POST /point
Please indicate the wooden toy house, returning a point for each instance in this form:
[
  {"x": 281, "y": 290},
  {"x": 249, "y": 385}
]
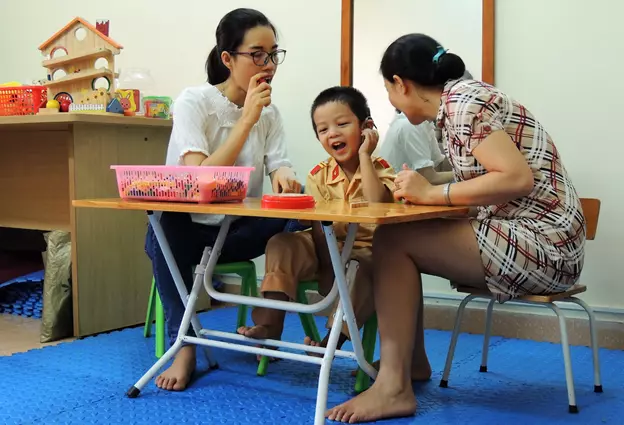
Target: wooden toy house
[{"x": 83, "y": 45}]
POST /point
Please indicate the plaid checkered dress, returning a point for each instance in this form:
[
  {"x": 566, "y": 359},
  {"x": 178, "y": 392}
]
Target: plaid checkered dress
[{"x": 532, "y": 245}]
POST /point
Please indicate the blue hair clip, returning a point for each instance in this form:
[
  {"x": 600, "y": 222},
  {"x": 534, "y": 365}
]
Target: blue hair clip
[{"x": 438, "y": 55}]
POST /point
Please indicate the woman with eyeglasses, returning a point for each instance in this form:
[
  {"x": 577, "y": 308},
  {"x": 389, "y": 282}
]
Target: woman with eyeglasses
[{"x": 229, "y": 121}]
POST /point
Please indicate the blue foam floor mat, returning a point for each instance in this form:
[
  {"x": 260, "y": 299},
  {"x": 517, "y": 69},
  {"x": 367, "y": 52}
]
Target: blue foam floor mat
[{"x": 84, "y": 382}]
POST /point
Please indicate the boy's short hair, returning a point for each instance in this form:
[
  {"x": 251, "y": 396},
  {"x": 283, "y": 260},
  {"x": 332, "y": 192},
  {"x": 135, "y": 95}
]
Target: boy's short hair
[{"x": 349, "y": 96}]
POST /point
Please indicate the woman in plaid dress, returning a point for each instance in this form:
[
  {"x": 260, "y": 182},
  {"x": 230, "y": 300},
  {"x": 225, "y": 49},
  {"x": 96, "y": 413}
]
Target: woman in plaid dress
[{"x": 528, "y": 236}]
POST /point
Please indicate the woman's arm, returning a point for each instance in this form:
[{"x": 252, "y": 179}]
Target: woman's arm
[
  {"x": 258, "y": 97},
  {"x": 508, "y": 176},
  {"x": 434, "y": 177},
  {"x": 226, "y": 154}
]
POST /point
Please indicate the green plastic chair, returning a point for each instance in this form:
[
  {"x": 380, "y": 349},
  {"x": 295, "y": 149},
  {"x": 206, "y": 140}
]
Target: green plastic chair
[
  {"x": 369, "y": 337},
  {"x": 245, "y": 269}
]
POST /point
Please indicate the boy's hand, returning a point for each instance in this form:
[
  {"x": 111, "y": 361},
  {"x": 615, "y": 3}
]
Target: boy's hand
[
  {"x": 370, "y": 138},
  {"x": 285, "y": 181}
]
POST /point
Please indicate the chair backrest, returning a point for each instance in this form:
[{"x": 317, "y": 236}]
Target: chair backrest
[{"x": 591, "y": 209}]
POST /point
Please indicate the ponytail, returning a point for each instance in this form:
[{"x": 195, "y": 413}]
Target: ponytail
[{"x": 216, "y": 70}]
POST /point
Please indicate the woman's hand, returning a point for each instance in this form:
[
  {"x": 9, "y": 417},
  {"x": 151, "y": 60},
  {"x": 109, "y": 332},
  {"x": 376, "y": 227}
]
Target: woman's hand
[
  {"x": 370, "y": 137},
  {"x": 285, "y": 181},
  {"x": 258, "y": 96},
  {"x": 412, "y": 187}
]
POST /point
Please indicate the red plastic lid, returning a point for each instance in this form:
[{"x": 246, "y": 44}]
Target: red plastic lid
[{"x": 293, "y": 201}]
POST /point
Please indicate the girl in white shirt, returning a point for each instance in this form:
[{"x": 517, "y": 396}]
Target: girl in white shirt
[{"x": 229, "y": 121}]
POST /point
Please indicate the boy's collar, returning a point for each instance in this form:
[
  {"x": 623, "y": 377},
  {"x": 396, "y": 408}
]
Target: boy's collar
[{"x": 336, "y": 173}]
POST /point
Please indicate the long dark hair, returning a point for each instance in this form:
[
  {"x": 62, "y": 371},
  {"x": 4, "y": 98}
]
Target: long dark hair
[
  {"x": 422, "y": 60},
  {"x": 230, "y": 34}
]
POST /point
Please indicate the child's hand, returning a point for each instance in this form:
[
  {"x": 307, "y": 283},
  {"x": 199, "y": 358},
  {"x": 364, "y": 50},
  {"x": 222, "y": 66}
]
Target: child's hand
[
  {"x": 411, "y": 186},
  {"x": 370, "y": 138}
]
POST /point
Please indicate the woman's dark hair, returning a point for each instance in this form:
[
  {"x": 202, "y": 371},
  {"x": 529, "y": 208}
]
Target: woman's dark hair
[
  {"x": 422, "y": 60},
  {"x": 349, "y": 96},
  {"x": 230, "y": 34}
]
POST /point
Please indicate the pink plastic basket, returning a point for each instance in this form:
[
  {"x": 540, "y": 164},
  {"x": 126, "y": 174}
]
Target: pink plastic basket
[{"x": 182, "y": 183}]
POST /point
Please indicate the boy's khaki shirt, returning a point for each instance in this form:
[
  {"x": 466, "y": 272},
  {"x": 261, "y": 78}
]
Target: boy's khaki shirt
[{"x": 327, "y": 182}]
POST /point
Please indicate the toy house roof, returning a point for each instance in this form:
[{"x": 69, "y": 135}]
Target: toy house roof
[{"x": 87, "y": 25}]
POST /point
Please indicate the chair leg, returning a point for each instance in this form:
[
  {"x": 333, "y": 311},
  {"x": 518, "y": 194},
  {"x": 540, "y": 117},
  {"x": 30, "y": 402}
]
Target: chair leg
[
  {"x": 456, "y": 329},
  {"x": 486, "y": 336},
  {"x": 242, "y": 308},
  {"x": 149, "y": 317},
  {"x": 369, "y": 340},
  {"x": 253, "y": 282},
  {"x": 307, "y": 320},
  {"x": 249, "y": 287},
  {"x": 594, "y": 341},
  {"x": 565, "y": 346},
  {"x": 160, "y": 327}
]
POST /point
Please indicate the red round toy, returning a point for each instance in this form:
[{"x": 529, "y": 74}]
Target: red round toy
[{"x": 289, "y": 201}]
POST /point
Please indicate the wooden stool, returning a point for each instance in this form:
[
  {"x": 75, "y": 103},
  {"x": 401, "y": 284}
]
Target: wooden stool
[{"x": 591, "y": 209}]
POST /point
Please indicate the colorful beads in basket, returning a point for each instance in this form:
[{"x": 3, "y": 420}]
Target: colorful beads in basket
[
  {"x": 222, "y": 189},
  {"x": 162, "y": 187}
]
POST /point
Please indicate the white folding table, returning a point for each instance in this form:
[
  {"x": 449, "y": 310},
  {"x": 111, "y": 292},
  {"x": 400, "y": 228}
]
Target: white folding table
[{"x": 327, "y": 213}]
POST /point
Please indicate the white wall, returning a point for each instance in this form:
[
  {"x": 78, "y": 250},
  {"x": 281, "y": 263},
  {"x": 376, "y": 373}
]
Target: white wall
[
  {"x": 455, "y": 24},
  {"x": 563, "y": 60},
  {"x": 173, "y": 39}
]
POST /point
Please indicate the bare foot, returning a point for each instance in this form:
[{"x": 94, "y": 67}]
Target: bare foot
[
  {"x": 420, "y": 372},
  {"x": 378, "y": 402},
  {"x": 309, "y": 341},
  {"x": 262, "y": 332},
  {"x": 178, "y": 375}
]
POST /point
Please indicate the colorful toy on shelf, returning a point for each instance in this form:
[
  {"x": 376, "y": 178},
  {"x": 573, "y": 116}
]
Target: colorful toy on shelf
[
  {"x": 115, "y": 107},
  {"x": 84, "y": 45},
  {"x": 51, "y": 107},
  {"x": 157, "y": 106},
  {"x": 91, "y": 101},
  {"x": 129, "y": 98}
]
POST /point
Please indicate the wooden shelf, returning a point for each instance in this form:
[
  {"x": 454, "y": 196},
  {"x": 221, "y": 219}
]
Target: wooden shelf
[
  {"x": 56, "y": 62},
  {"x": 83, "y": 75}
]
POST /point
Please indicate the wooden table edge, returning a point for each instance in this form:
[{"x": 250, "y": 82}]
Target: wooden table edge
[{"x": 312, "y": 215}]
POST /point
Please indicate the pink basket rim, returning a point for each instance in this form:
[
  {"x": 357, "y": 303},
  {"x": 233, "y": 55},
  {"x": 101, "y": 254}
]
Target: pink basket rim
[{"x": 180, "y": 168}]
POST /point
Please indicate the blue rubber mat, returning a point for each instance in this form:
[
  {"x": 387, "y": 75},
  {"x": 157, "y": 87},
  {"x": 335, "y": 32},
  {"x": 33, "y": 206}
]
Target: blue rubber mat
[
  {"x": 84, "y": 382},
  {"x": 23, "y": 296}
]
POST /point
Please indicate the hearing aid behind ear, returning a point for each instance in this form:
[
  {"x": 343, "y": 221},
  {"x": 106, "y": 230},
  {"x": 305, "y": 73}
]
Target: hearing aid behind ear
[{"x": 367, "y": 124}]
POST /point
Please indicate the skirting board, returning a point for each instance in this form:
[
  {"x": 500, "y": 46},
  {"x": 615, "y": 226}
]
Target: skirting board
[{"x": 509, "y": 320}]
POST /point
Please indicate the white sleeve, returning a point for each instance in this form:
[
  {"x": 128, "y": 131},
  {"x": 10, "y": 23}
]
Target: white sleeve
[
  {"x": 189, "y": 127},
  {"x": 275, "y": 154},
  {"x": 416, "y": 144},
  {"x": 392, "y": 149},
  {"x": 410, "y": 145}
]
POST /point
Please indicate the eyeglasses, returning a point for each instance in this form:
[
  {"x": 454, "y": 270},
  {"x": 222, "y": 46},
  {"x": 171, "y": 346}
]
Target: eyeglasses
[{"x": 262, "y": 58}]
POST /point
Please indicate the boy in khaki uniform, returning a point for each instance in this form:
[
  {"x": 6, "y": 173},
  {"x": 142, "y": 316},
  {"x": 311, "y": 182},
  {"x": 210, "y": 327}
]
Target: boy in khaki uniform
[{"x": 341, "y": 120}]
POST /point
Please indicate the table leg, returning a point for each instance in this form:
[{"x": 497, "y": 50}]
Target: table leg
[
  {"x": 209, "y": 258},
  {"x": 343, "y": 312}
]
